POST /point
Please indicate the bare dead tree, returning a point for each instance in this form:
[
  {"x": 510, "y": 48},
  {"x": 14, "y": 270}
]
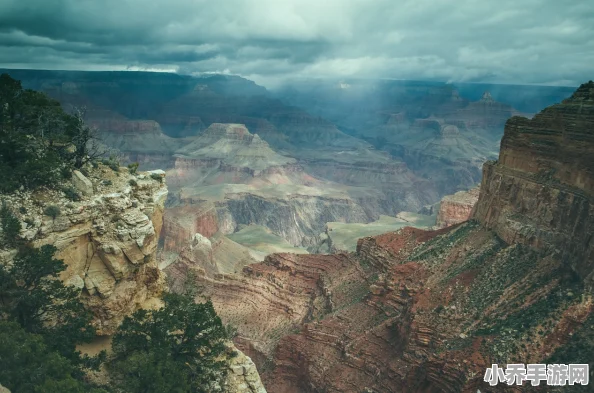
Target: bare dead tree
[{"x": 86, "y": 140}]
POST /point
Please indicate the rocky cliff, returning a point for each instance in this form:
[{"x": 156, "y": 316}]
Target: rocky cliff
[
  {"x": 428, "y": 311},
  {"x": 107, "y": 236},
  {"x": 457, "y": 208},
  {"x": 540, "y": 191}
]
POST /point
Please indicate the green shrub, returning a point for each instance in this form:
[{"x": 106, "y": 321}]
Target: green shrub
[
  {"x": 107, "y": 182},
  {"x": 71, "y": 193},
  {"x": 37, "y": 356},
  {"x": 113, "y": 163},
  {"x": 157, "y": 177},
  {"x": 231, "y": 331},
  {"x": 133, "y": 183},
  {"x": 23, "y": 210},
  {"x": 132, "y": 168},
  {"x": 66, "y": 173},
  {"x": 178, "y": 348},
  {"x": 52, "y": 211},
  {"x": 29, "y": 365},
  {"x": 41, "y": 143}
]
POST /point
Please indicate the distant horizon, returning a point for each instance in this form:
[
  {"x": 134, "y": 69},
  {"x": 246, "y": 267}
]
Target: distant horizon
[{"x": 288, "y": 80}]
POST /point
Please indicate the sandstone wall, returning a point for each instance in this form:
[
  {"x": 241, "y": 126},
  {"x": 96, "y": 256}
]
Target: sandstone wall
[
  {"x": 243, "y": 376},
  {"x": 182, "y": 223}
]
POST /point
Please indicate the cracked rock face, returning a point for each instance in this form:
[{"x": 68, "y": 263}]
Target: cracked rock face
[{"x": 108, "y": 239}]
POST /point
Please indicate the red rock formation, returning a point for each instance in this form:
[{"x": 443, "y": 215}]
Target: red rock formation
[
  {"x": 180, "y": 224},
  {"x": 457, "y": 208}
]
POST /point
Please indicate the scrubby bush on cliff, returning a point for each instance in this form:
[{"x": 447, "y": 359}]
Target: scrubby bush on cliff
[
  {"x": 39, "y": 142},
  {"x": 52, "y": 211},
  {"x": 157, "y": 177},
  {"x": 71, "y": 193},
  {"x": 133, "y": 168},
  {"x": 113, "y": 162},
  {"x": 178, "y": 348}
]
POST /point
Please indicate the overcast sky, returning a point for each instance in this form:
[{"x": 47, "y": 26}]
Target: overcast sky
[{"x": 518, "y": 41}]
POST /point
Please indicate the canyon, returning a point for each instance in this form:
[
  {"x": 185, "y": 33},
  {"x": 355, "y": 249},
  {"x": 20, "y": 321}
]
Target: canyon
[
  {"x": 428, "y": 310},
  {"x": 325, "y": 175},
  {"x": 349, "y": 252}
]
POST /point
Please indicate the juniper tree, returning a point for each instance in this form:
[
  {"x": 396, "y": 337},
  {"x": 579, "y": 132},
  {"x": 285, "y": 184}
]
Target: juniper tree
[{"x": 178, "y": 348}]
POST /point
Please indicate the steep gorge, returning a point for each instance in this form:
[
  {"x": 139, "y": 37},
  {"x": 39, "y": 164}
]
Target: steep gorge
[{"x": 428, "y": 311}]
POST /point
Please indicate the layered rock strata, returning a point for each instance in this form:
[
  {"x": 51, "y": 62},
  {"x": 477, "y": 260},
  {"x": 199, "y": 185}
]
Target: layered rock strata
[
  {"x": 541, "y": 190},
  {"x": 249, "y": 183}
]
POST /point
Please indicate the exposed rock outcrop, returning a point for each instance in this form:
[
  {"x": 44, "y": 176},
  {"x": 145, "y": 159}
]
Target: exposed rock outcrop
[
  {"x": 107, "y": 239},
  {"x": 182, "y": 223},
  {"x": 243, "y": 376},
  {"x": 454, "y": 209}
]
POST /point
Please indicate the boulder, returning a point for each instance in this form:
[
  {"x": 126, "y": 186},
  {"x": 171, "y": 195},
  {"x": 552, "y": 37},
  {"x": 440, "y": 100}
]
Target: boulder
[{"x": 83, "y": 184}]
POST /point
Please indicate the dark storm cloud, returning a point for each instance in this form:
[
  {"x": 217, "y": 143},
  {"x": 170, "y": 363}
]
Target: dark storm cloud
[{"x": 529, "y": 41}]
